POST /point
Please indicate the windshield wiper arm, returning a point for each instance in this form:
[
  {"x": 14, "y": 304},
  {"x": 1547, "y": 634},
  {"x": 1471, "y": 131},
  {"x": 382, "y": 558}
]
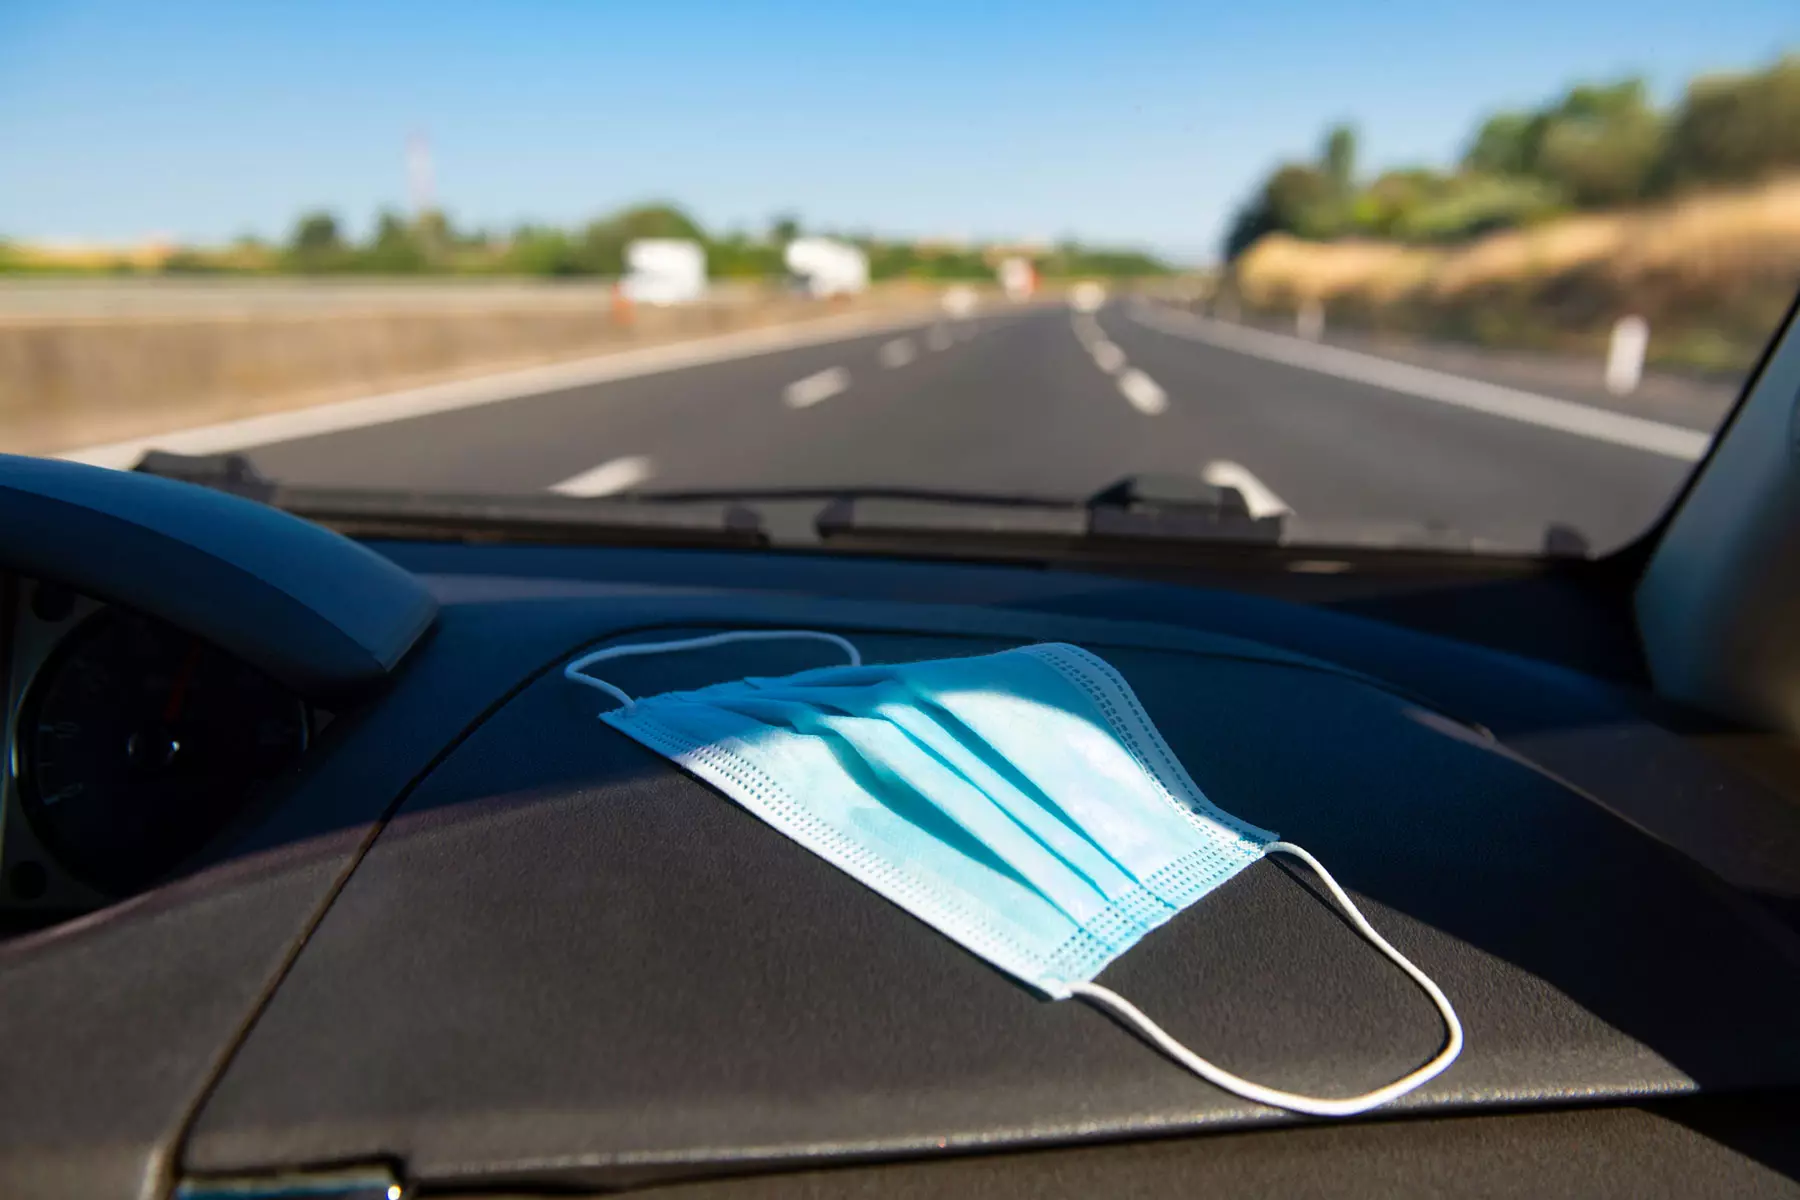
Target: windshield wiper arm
[
  {"x": 541, "y": 517},
  {"x": 545, "y": 517}
]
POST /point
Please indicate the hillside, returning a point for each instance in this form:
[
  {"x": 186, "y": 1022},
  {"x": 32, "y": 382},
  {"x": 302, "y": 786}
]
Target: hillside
[{"x": 1711, "y": 271}]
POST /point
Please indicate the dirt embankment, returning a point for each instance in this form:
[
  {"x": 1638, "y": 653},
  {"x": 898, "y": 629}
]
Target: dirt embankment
[{"x": 1712, "y": 273}]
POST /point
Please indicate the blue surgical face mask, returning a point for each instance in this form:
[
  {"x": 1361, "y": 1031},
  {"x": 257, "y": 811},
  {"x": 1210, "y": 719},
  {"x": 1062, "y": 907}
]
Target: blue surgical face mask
[{"x": 1021, "y": 803}]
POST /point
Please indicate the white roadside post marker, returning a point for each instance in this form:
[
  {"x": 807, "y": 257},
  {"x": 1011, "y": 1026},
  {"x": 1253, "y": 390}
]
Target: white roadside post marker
[
  {"x": 1625, "y": 355},
  {"x": 1309, "y": 321}
]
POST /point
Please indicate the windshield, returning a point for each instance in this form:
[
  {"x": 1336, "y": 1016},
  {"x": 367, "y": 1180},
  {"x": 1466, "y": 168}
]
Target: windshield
[{"x": 1376, "y": 274}]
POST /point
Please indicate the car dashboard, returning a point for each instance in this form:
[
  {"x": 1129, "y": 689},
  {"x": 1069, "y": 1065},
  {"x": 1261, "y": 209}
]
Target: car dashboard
[
  {"x": 451, "y": 934},
  {"x": 195, "y": 730}
]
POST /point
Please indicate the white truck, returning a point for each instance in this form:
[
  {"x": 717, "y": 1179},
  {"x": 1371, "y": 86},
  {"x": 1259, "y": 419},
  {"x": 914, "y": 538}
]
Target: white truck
[
  {"x": 827, "y": 268},
  {"x": 664, "y": 271}
]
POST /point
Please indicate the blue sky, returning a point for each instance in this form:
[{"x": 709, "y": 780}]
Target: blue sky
[{"x": 1126, "y": 122}]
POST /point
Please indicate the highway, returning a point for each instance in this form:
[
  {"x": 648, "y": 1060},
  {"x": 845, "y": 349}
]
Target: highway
[{"x": 1052, "y": 402}]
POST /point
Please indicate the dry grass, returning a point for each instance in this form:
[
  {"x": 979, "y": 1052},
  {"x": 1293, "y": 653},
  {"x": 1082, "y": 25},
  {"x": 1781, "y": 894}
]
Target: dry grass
[
  {"x": 1705, "y": 237},
  {"x": 1721, "y": 265},
  {"x": 71, "y": 256}
]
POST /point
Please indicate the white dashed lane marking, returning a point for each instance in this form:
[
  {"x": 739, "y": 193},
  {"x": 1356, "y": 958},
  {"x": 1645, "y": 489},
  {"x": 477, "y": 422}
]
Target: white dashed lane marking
[
  {"x": 1107, "y": 357},
  {"x": 1143, "y": 392},
  {"x": 897, "y": 353},
  {"x": 804, "y": 393},
  {"x": 617, "y": 475}
]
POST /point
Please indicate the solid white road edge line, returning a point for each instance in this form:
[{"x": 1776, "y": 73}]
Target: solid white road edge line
[
  {"x": 1565, "y": 416},
  {"x": 486, "y": 389},
  {"x": 822, "y": 385},
  {"x": 615, "y": 476},
  {"x": 1143, "y": 392},
  {"x": 1257, "y": 497}
]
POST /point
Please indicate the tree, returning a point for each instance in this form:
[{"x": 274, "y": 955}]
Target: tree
[
  {"x": 395, "y": 246},
  {"x": 433, "y": 233},
  {"x": 1298, "y": 198},
  {"x": 316, "y": 232},
  {"x": 535, "y": 250},
  {"x": 1506, "y": 144},
  {"x": 600, "y": 248},
  {"x": 1730, "y": 128},
  {"x": 317, "y": 244},
  {"x": 1466, "y": 206},
  {"x": 784, "y": 228},
  {"x": 1601, "y": 143},
  {"x": 1385, "y": 205},
  {"x": 1339, "y": 157},
  {"x": 658, "y": 220}
]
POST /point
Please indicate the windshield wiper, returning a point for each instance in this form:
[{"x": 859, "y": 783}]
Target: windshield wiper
[
  {"x": 1137, "y": 507},
  {"x": 1141, "y": 516},
  {"x": 1144, "y": 518},
  {"x": 1136, "y": 510},
  {"x": 538, "y": 517},
  {"x": 948, "y": 496}
]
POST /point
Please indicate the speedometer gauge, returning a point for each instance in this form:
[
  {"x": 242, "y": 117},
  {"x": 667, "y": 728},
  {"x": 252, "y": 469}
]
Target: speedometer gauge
[{"x": 139, "y": 742}]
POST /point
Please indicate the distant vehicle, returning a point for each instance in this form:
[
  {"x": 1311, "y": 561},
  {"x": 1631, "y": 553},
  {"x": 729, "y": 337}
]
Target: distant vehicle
[
  {"x": 664, "y": 271},
  {"x": 826, "y": 268},
  {"x": 1018, "y": 277}
]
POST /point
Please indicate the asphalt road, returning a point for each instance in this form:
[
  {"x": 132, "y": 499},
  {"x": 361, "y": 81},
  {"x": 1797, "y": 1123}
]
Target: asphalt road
[{"x": 1050, "y": 402}]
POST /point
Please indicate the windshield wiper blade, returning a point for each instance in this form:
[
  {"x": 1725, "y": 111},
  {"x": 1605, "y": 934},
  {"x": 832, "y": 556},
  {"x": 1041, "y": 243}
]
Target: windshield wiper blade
[
  {"x": 1135, "y": 506},
  {"x": 1130, "y": 517},
  {"x": 940, "y": 496},
  {"x": 539, "y": 517},
  {"x": 543, "y": 518},
  {"x": 1136, "y": 509}
]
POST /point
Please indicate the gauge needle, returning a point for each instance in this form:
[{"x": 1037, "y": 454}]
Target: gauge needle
[{"x": 178, "y": 689}]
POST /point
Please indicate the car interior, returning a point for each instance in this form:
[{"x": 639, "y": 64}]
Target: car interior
[{"x": 319, "y": 878}]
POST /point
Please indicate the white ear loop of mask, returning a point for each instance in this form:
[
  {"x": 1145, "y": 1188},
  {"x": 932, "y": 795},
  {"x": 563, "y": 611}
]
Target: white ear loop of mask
[
  {"x": 574, "y": 670},
  {"x": 1317, "y": 1106}
]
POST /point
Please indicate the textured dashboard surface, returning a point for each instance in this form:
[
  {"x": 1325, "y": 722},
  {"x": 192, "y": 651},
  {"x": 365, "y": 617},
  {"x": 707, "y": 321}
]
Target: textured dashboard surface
[
  {"x": 1675, "y": 1150},
  {"x": 566, "y": 960},
  {"x": 114, "y": 1023}
]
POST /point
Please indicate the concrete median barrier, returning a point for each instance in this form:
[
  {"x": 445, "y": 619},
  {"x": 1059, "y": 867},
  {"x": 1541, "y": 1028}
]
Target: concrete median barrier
[{"x": 107, "y": 363}]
